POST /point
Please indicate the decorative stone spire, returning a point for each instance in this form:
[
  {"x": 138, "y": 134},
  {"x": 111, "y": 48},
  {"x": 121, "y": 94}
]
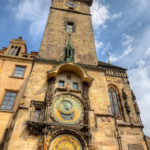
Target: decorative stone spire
[
  {"x": 69, "y": 51},
  {"x": 108, "y": 56}
]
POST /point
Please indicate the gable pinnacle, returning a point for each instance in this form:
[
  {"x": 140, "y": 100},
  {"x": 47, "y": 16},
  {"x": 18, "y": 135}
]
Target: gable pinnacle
[
  {"x": 69, "y": 51},
  {"x": 108, "y": 56}
]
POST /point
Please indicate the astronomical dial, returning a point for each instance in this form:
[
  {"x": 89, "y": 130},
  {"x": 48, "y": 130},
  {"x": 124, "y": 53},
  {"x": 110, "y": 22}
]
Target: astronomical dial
[
  {"x": 65, "y": 142},
  {"x": 71, "y": 4},
  {"x": 67, "y": 109}
]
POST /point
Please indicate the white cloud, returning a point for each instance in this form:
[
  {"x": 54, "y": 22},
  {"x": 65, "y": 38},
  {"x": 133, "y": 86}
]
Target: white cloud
[
  {"x": 34, "y": 11},
  {"x": 107, "y": 47},
  {"x": 140, "y": 82},
  {"x": 99, "y": 45},
  {"x": 116, "y": 16},
  {"x": 114, "y": 58},
  {"x": 100, "y": 14},
  {"x": 148, "y": 51},
  {"x": 126, "y": 39},
  {"x": 102, "y": 48}
]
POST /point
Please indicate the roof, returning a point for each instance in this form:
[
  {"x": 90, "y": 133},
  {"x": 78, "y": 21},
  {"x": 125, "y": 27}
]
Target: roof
[{"x": 106, "y": 65}]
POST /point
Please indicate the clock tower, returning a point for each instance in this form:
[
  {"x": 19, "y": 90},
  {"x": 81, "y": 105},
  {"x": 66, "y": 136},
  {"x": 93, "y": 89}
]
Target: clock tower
[{"x": 69, "y": 16}]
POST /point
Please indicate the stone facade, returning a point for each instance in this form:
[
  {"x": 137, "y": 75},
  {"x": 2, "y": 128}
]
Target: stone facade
[
  {"x": 9, "y": 82},
  {"x": 78, "y": 105}
]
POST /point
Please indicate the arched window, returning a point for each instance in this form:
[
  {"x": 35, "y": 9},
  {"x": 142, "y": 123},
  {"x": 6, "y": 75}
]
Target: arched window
[
  {"x": 11, "y": 50},
  {"x": 19, "y": 49},
  {"x": 15, "y": 51},
  {"x": 114, "y": 106}
]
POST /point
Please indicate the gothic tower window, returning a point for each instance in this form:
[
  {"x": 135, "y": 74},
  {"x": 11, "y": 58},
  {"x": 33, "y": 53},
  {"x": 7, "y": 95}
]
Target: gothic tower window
[
  {"x": 70, "y": 27},
  {"x": 11, "y": 50},
  {"x": 114, "y": 105},
  {"x": 19, "y": 49},
  {"x": 15, "y": 51}
]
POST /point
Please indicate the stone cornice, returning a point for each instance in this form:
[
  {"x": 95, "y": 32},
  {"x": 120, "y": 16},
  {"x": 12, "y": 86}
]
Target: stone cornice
[
  {"x": 6, "y": 57},
  {"x": 61, "y": 62},
  {"x": 73, "y": 11}
]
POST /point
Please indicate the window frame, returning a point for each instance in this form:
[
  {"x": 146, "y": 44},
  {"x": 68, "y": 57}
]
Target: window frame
[
  {"x": 25, "y": 67},
  {"x": 76, "y": 84},
  {"x": 15, "y": 51},
  {"x": 73, "y": 26},
  {"x": 119, "y": 115},
  {"x": 11, "y": 51},
  {"x": 11, "y": 91},
  {"x": 60, "y": 81},
  {"x": 39, "y": 110}
]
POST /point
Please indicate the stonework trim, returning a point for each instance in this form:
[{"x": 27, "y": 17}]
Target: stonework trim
[
  {"x": 72, "y": 11},
  {"x": 73, "y": 68}
]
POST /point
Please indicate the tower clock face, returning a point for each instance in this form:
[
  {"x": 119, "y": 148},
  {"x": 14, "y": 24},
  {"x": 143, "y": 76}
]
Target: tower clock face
[
  {"x": 67, "y": 109},
  {"x": 71, "y": 4}
]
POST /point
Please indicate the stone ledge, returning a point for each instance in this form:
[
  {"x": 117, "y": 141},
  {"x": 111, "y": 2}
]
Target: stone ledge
[
  {"x": 6, "y": 111},
  {"x": 16, "y": 77}
]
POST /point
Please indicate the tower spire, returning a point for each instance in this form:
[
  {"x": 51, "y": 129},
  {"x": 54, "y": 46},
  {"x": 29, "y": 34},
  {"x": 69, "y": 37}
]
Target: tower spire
[
  {"x": 108, "y": 56},
  {"x": 69, "y": 51}
]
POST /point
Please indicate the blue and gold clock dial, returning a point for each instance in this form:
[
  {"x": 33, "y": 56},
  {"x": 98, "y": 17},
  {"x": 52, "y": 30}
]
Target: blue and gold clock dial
[{"x": 67, "y": 109}]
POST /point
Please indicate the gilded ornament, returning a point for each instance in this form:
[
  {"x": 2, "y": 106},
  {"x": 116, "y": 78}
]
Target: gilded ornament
[{"x": 65, "y": 142}]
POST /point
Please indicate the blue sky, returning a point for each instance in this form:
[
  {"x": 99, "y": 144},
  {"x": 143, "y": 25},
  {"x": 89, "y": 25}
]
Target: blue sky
[{"x": 122, "y": 29}]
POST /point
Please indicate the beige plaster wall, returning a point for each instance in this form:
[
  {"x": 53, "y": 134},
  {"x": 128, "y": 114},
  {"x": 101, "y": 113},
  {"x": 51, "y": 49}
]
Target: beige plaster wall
[{"x": 7, "y": 82}]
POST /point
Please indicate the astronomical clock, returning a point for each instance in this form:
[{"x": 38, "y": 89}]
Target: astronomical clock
[
  {"x": 63, "y": 117},
  {"x": 67, "y": 109}
]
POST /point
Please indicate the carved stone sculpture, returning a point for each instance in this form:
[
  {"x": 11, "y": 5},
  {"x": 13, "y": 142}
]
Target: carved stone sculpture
[
  {"x": 50, "y": 90},
  {"x": 92, "y": 147},
  {"x": 133, "y": 96},
  {"x": 124, "y": 95},
  {"x": 127, "y": 107},
  {"x": 46, "y": 143},
  {"x": 136, "y": 107},
  {"x": 85, "y": 91}
]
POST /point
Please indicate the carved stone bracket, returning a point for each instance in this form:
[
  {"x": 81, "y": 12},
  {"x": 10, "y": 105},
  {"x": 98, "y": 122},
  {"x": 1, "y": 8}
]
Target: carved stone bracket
[
  {"x": 37, "y": 103},
  {"x": 35, "y": 127},
  {"x": 125, "y": 97},
  {"x": 133, "y": 96},
  {"x": 50, "y": 91}
]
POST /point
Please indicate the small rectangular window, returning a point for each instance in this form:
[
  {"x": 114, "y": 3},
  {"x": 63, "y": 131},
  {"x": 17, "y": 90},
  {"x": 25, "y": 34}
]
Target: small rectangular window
[
  {"x": 8, "y": 101},
  {"x": 75, "y": 85},
  {"x": 61, "y": 83},
  {"x": 37, "y": 114},
  {"x": 19, "y": 72},
  {"x": 70, "y": 26}
]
